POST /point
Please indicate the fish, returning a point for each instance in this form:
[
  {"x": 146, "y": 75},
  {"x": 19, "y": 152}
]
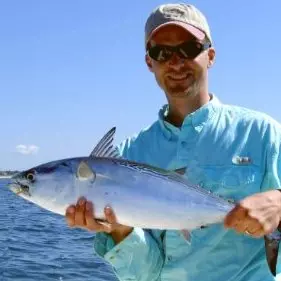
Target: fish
[{"x": 141, "y": 195}]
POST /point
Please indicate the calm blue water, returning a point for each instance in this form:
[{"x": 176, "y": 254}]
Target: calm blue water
[{"x": 37, "y": 245}]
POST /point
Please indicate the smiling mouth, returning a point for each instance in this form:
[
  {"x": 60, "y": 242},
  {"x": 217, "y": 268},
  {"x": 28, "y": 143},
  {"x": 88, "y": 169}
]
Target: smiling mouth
[{"x": 180, "y": 77}]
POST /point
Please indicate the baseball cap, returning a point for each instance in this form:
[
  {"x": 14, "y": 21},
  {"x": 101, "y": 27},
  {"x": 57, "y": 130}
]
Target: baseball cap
[{"x": 184, "y": 15}]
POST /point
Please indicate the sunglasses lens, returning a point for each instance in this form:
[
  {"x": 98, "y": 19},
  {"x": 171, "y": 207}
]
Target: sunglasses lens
[
  {"x": 190, "y": 50},
  {"x": 187, "y": 50},
  {"x": 160, "y": 53}
]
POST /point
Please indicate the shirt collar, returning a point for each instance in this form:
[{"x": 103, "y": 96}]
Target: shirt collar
[{"x": 196, "y": 119}]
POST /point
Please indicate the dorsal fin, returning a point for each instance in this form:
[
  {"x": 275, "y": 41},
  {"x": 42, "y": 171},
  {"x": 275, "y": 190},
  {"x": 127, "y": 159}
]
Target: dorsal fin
[{"x": 105, "y": 147}]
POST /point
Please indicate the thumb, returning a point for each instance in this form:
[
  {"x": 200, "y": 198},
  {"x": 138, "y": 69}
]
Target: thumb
[{"x": 110, "y": 216}]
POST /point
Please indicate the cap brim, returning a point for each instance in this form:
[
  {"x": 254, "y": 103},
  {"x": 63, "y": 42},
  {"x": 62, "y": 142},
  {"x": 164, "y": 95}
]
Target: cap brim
[{"x": 197, "y": 33}]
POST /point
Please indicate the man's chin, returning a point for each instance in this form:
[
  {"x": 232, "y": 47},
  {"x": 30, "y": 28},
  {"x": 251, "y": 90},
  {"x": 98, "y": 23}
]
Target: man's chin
[{"x": 179, "y": 92}]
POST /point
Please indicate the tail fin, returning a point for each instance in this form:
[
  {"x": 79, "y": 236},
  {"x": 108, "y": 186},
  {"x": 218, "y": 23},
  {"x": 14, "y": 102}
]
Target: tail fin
[{"x": 272, "y": 242}]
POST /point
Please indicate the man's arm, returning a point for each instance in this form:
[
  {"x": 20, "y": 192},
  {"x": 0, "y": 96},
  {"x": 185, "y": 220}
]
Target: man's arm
[{"x": 133, "y": 253}]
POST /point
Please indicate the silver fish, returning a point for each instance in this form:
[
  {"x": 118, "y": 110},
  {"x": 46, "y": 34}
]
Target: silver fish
[{"x": 140, "y": 195}]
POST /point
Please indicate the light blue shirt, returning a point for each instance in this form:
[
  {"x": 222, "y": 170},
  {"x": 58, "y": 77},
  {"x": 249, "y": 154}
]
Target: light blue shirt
[{"x": 232, "y": 151}]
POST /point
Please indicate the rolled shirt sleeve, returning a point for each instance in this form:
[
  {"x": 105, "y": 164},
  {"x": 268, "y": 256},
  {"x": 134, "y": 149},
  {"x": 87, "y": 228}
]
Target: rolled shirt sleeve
[{"x": 137, "y": 257}]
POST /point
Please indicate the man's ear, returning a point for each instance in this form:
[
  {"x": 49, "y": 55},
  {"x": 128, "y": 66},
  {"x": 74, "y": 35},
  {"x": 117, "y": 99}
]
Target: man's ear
[
  {"x": 148, "y": 62},
  {"x": 211, "y": 55}
]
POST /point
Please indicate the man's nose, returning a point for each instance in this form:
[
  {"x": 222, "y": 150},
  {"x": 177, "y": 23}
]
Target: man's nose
[{"x": 176, "y": 61}]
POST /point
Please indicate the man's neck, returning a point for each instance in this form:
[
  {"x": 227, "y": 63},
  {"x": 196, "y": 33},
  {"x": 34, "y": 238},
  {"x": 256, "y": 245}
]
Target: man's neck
[{"x": 179, "y": 108}]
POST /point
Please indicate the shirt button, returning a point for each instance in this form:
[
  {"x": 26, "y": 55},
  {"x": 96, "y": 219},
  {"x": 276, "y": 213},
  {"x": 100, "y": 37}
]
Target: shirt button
[{"x": 170, "y": 258}]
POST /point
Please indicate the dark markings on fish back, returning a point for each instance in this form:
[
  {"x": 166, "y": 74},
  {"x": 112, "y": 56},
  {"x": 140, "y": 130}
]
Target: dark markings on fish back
[{"x": 164, "y": 174}]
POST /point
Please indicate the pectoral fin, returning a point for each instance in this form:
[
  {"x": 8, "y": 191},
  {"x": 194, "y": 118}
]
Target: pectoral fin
[{"x": 84, "y": 172}]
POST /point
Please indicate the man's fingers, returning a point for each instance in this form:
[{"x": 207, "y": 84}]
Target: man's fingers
[
  {"x": 92, "y": 223},
  {"x": 257, "y": 215},
  {"x": 265, "y": 219},
  {"x": 80, "y": 212},
  {"x": 248, "y": 226},
  {"x": 235, "y": 216},
  {"x": 258, "y": 234},
  {"x": 89, "y": 217},
  {"x": 243, "y": 221},
  {"x": 110, "y": 216},
  {"x": 89, "y": 213},
  {"x": 82, "y": 215},
  {"x": 253, "y": 226},
  {"x": 70, "y": 215}
]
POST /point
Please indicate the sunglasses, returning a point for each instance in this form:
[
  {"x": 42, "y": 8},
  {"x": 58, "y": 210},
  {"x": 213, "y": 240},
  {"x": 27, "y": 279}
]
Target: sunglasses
[{"x": 186, "y": 50}]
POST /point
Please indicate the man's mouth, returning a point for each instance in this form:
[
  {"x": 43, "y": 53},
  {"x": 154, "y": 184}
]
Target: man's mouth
[{"x": 179, "y": 77}]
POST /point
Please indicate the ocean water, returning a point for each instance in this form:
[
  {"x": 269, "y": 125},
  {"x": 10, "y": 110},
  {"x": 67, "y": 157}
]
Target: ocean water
[{"x": 37, "y": 245}]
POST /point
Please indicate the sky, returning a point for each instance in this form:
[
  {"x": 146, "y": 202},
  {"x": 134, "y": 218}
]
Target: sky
[{"x": 71, "y": 70}]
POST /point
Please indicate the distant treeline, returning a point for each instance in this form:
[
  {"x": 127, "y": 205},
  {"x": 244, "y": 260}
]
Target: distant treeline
[{"x": 8, "y": 173}]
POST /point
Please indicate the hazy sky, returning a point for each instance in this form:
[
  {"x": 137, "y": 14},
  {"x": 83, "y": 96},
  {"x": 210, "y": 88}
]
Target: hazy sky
[{"x": 70, "y": 70}]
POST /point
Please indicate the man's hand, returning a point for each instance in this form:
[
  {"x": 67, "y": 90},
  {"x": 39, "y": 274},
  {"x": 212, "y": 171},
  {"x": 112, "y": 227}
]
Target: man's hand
[
  {"x": 81, "y": 215},
  {"x": 256, "y": 215}
]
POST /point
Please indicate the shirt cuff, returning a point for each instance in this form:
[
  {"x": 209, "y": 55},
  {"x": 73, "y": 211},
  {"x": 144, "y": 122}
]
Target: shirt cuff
[
  {"x": 103, "y": 243},
  {"x": 106, "y": 248}
]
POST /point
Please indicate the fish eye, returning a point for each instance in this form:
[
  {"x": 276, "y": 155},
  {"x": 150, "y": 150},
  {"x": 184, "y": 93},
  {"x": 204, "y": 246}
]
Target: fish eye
[{"x": 30, "y": 176}]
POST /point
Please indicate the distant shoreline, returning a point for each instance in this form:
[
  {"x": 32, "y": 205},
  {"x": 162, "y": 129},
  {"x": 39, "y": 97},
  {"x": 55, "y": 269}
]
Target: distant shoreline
[
  {"x": 8, "y": 174},
  {"x": 5, "y": 177}
]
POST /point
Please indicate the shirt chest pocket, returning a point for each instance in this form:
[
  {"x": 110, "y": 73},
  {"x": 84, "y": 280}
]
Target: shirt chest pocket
[{"x": 231, "y": 181}]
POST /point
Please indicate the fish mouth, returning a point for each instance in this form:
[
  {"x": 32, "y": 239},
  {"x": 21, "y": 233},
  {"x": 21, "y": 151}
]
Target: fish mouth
[{"x": 19, "y": 188}]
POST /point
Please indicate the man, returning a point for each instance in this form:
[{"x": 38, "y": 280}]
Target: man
[{"x": 232, "y": 151}]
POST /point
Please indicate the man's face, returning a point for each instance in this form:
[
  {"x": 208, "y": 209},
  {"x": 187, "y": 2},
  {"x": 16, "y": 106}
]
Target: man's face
[{"x": 178, "y": 76}]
